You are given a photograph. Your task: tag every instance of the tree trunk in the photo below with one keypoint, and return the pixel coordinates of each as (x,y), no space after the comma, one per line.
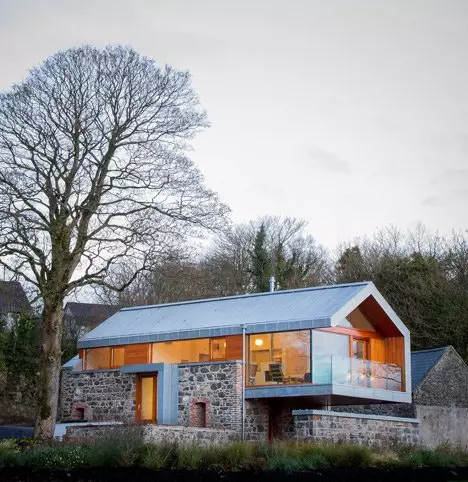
(49,379)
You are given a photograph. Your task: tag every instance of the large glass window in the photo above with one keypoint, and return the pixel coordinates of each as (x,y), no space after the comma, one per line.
(186,351)
(199,350)
(278,358)
(98,358)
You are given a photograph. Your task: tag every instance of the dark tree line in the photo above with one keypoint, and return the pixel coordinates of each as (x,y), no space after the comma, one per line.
(424,278)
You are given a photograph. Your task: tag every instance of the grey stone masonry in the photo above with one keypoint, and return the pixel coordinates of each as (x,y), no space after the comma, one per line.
(446,384)
(256,419)
(187,435)
(338,427)
(216,385)
(152,433)
(99,395)
(406,410)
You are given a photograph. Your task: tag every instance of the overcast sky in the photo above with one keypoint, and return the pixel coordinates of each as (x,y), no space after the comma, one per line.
(350,114)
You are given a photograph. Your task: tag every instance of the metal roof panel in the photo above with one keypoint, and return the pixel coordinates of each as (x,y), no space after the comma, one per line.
(260,308)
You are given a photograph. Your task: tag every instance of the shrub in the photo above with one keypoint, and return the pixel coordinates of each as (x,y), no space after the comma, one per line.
(8,445)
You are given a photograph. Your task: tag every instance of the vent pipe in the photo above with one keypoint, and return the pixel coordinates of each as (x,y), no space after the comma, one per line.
(272,283)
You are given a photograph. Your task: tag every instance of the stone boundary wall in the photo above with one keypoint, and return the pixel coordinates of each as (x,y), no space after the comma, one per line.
(101,395)
(339,427)
(153,433)
(443,426)
(187,435)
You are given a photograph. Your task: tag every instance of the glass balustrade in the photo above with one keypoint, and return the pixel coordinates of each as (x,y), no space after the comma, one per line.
(327,369)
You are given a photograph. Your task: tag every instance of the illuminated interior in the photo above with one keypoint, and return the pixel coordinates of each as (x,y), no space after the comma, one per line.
(353,352)
(279,358)
(186,351)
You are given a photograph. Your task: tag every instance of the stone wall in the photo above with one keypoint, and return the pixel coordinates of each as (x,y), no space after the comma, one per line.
(385,409)
(256,420)
(443,426)
(217,385)
(338,427)
(101,395)
(153,433)
(446,384)
(187,435)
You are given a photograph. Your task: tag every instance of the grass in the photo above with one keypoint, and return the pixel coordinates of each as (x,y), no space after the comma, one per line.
(130,451)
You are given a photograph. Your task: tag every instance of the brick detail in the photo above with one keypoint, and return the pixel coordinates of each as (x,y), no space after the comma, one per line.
(81,411)
(200,412)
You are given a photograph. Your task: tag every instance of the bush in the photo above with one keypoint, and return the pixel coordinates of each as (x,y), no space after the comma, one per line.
(8,445)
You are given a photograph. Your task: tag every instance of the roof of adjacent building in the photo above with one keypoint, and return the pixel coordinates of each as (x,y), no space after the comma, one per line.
(12,297)
(422,362)
(279,310)
(88,314)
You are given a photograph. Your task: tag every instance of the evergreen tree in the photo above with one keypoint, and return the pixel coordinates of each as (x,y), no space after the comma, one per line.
(260,265)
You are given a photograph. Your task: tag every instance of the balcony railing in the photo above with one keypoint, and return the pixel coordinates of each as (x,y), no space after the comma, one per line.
(327,369)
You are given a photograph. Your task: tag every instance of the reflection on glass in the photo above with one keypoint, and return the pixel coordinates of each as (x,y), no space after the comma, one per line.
(97,358)
(118,356)
(279,358)
(357,319)
(197,350)
(330,361)
(218,349)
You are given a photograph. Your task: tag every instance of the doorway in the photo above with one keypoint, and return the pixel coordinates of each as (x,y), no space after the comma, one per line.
(146,398)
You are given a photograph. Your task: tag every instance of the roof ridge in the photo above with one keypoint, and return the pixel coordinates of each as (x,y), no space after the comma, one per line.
(441,348)
(85,303)
(247,295)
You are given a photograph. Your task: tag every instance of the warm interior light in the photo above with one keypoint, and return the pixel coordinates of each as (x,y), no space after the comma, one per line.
(258,342)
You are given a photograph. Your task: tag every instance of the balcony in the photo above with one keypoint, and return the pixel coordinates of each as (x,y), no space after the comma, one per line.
(335,369)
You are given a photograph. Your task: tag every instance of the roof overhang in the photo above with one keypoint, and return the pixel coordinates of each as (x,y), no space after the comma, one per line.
(250,328)
(370,300)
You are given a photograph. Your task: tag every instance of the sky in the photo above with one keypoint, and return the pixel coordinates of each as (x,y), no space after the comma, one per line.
(350,114)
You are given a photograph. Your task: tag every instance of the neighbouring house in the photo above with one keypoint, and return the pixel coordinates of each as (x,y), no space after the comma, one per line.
(13,302)
(304,351)
(79,318)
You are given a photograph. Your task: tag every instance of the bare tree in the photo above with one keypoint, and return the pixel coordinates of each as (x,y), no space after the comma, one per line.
(93,171)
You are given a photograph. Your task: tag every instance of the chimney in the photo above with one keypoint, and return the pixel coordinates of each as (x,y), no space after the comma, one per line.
(272,283)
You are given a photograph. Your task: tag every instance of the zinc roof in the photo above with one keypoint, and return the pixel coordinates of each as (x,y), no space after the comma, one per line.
(276,311)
